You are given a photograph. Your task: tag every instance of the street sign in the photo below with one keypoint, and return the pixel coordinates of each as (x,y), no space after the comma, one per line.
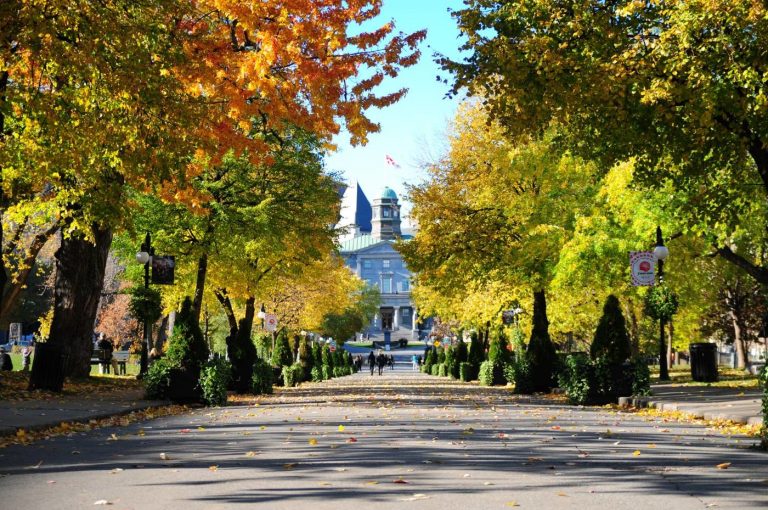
(270,322)
(14,332)
(642,265)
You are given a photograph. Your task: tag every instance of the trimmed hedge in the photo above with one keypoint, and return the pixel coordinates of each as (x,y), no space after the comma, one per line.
(485,374)
(600,381)
(466,371)
(293,375)
(317,374)
(214,380)
(327,372)
(262,379)
(434,369)
(442,370)
(157,381)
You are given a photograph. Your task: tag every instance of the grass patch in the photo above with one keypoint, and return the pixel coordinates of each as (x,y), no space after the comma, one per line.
(13,386)
(729,378)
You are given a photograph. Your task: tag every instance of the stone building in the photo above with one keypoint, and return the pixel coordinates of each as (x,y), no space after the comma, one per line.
(368,249)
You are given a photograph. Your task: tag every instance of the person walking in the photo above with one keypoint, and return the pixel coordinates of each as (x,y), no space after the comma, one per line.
(26,354)
(381,361)
(391,361)
(415,363)
(371,361)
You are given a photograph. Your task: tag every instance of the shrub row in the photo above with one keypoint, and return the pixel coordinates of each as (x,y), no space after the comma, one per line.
(602,380)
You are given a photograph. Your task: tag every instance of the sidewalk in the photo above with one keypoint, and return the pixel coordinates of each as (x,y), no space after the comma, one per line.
(709,403)
(43,413)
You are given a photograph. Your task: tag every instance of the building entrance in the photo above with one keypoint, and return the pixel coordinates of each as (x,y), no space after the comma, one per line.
(387,317)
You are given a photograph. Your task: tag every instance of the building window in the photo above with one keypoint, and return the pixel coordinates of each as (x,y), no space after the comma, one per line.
(406,313)
(385,213)
(404,286)
(367,264)
(385,263)
(386,285)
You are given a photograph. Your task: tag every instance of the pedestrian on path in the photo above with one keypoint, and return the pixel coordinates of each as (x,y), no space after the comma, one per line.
(380,362)
(371,361)
(391,362)
(415,363)
(26,354)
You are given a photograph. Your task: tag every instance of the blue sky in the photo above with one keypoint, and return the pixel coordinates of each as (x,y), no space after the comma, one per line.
(413,128)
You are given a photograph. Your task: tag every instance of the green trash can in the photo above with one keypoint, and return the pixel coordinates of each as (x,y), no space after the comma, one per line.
(703,362)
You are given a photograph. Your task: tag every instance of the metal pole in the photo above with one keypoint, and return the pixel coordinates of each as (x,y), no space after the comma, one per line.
(146,247)
(663,370)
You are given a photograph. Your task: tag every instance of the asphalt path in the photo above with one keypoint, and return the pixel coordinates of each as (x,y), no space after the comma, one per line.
(400,440)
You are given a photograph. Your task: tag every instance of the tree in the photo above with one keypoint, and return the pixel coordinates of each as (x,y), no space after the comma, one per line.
(611,340)
(678,85)
(541,353)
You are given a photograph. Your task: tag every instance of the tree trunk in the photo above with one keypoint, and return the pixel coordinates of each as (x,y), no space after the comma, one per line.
(670,361)
(197,302)
(80,268)
(738,339)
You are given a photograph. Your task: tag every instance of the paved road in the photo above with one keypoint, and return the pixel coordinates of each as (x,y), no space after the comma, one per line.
(406,440)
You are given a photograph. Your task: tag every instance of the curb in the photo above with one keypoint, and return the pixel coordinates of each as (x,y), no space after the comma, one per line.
(85,419)
(693,410)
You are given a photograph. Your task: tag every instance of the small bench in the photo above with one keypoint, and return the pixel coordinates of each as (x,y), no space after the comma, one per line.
(99,357)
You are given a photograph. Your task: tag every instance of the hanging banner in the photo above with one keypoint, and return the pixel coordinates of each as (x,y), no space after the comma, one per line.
(270,322)
(642,264)
(163,269)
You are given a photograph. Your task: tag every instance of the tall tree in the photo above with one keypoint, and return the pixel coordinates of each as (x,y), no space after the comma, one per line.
(679,85)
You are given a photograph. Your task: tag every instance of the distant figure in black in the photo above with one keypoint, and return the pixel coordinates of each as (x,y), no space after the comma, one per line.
(381,360)
(106,348)
(391,362)
(371,361)
(5,361)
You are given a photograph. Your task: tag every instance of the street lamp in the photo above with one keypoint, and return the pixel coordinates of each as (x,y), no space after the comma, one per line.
(145,257)
(661,253)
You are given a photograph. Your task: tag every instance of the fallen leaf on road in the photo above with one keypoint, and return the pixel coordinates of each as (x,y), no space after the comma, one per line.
(341,428)
(313,441)
(184,431)
(290,465)
(165,456)
(371,482)
(416,497)
(213,468)
(512,503)
(399,480)
(251,454)
(351,440)
(102,502)
(724,465)
(636,453)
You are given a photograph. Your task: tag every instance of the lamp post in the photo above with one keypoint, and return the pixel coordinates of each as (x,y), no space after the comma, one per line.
(661,253)
(145,257)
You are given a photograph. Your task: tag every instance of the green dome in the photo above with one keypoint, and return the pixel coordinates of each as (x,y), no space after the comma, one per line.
(389,193)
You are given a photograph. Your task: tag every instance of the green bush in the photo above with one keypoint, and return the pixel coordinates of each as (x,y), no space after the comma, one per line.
(466,371)
(541,353)
(157,381)
(461,351)
(262,379)
(326,355)
(187,347)
(476,354)
(327,372)
(641,380)
(453,370)
(440,355)
(289,376)
(442,370)
(576,378)
(763,380)
(509,371)
(317,355)
(611,340)
(214,380)
(485,374)
(263,346)
(282,356)
(434,369)
(146,304)
(317,374)
(429,360)
(521,371)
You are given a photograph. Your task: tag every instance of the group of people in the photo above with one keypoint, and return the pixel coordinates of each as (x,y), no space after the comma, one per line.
(381,360)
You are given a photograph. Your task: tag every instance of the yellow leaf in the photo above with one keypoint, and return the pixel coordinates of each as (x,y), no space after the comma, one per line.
(313,441)
(213,468)
(512,503)
(636,453)
(724,465)
(341,428)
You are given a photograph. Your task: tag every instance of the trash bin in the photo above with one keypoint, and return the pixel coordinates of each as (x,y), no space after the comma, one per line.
(48,367)
(703,362)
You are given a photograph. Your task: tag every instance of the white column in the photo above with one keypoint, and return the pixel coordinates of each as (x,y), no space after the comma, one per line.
(397,318)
